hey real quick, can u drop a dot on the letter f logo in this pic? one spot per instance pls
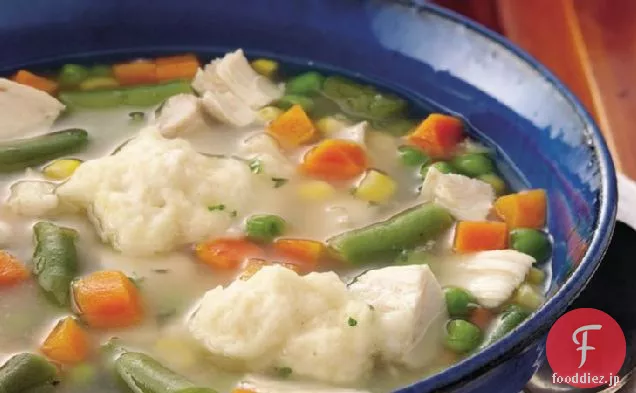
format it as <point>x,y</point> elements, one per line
<point>584,347</point>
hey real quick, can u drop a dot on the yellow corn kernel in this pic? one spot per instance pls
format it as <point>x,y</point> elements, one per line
<point>330,125</point>
<point>61,169</point>
<point>527,296</point>
<point>99,82</point>
<point>376,187</point>
<point>535,276</point>
<point>268,113</point>
<point>265,67</point>
<point>316,190</point>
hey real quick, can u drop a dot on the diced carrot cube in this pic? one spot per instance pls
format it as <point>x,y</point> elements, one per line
<point>12,271</point>
<point>177,67</point>
<point>25,77</point>
<point>136,73</point>
<point>481,317</point>
<point>293,128</point>
<point>526,209</point>
<point>307,252</point>
<point>227,253</point>
<point>67,342</point>
<point>108,299</point>
<point>471,236</point>
<point>438,135</point>
<point>335,159</point>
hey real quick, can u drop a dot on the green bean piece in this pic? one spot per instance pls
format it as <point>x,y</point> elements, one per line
<point>290,100</point>
<point>100,70</point>
<point>412,156</point>
<point>497,183</point>
<point>459,302</point>
<point>25,372</point>
<point>473,164</point>
<point>23,153</point>
<point>462,336</point>
<point>55,260</point>
<point>413,257</point>
<point>528,297</point>
<point>305,84</point>
<point>71,75</point>
<point>395,127</point>
<point>442,166</point>
<point>144,374</point>
<point>531,242</point>
<point>363,101</point>
<point>505,323</point>
<point>136,96</point>
<point>265,227</point>
<point>388,238</point>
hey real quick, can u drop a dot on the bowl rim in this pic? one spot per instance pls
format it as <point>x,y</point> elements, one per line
<point>536,326</point>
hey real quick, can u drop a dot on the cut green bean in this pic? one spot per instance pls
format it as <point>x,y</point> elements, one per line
<point>462,336</point>
<point>265,227</point>
<point>143,374</point>
<point>136,96</point>
<point>458,301</point>
<point>305,84</point>
<point>23,153</point>
<point>27,372</point>
<point>100,70</point>
<point>55,260</point>
<point>387,239</point>
<point>505,323</point>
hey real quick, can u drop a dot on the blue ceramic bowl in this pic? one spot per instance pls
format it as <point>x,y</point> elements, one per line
<point>432,56</point>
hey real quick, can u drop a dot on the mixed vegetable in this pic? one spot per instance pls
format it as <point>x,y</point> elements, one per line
<point>434,181</point>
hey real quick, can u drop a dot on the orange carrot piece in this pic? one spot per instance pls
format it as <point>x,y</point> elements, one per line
<point>177,67</point>
<point>293,128</point>
<point>471,236</point>
<point>307,252</point>
<point>108,299</point>
<point>136,73</point>
<point>438,135</point>
<point>11,270</point>
<point>67,343</point>
<point>335,159</point>
<point>227,253</point>
<point>241,390</point>
<point>526,209</point>
<point>481,317</point>
<point>25,77</point>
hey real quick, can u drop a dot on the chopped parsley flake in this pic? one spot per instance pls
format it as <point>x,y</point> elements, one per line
<point>161,271</point>
<point>256,166</point>
<point>136,116</point>
<point>284,372</point>
<point>216,208</point>
<point>279,181</point>
<point>233,213</point>
<point>352,322</point>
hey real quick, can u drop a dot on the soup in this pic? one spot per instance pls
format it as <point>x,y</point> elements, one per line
<point>237,227</point>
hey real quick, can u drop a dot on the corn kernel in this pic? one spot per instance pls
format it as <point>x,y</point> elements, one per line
<point>376,187</point>
<point>527,296</point>
<point>268,113</point>
<point>535,276</point>
<point>99,82</point>
<point>61,169</point>
<point>330,125</point>
<point>316,190</point>
<point>265,67</point>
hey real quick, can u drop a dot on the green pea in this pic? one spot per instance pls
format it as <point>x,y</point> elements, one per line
<point>307,83</point>
<point>535,276</point>
<point>82,374</point>
<point>100,70</point>
<point>413,257</point>
<point>473,164</point>
<point>72,75</point>
<point>462,336</point>
<point>441,166</point>
<point>412,156</point>
<point>458,301</point>
<point>290,100</point>
<point>528,297</point>
<point>265,227</point>
<point>532,242</point>
<point>497,183</point>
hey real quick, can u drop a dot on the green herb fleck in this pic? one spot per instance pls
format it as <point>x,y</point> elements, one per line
<point>279,181</point>
<point>161,271</point>
<point>164,316</point>
<point>233,213</point>
<point>284,372</point>
<point>352,322</point>
<point>256,166</point>
<point>216,208</point>
<point>136,116</point>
